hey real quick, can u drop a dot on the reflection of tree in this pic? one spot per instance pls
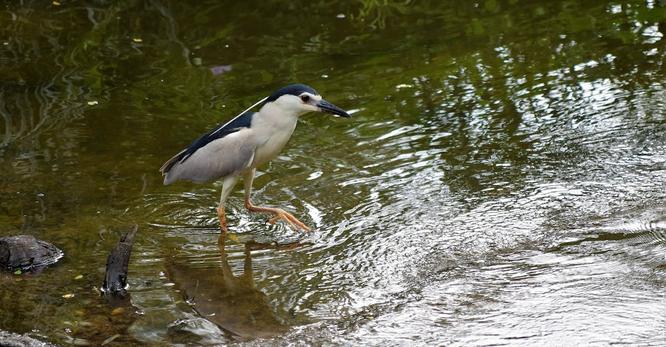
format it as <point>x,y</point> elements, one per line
<point>517,70</point>
<point>232,302</point>
<point>478,69</point>
<point>55,61</point>
<point>61,68</point>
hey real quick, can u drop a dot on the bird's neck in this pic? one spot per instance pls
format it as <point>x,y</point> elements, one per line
<point>278,116</point>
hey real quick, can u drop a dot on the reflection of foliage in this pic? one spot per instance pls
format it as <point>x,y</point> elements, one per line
<point>57,59</point>
<point>492,78</point>
<point>376,12</point>
<point>460,58</point>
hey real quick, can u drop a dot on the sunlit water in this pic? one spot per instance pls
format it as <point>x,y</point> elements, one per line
<point>502,180</point>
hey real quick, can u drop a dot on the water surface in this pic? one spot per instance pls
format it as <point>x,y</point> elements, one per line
<point>502,180</point>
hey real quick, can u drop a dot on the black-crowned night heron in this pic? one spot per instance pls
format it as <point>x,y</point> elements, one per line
<point>236,148</point>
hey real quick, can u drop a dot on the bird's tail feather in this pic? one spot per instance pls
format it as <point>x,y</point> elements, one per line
<point>171,162</point>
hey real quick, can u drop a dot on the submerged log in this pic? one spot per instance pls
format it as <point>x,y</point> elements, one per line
<point>25,252</point>
<point>115,280</point>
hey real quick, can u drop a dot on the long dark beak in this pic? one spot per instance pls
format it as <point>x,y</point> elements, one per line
<point>327,107</point>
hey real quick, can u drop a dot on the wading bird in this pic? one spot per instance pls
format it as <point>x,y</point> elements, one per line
<point>236,148</point>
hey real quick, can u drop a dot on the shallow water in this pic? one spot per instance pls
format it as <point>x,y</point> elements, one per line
<point>502,180</point>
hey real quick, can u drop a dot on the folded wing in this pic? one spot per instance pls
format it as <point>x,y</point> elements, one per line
<point>227,149</point>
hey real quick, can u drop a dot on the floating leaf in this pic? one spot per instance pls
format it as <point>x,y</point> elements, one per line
<point>68,296</point>
<point>18,272</point>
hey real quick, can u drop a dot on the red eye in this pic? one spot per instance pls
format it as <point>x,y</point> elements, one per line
<point>305,98</point>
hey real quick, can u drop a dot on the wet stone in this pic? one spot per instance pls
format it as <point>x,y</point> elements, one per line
<point>25,252</point>
<point>194,330</point>
<point>15,340</point>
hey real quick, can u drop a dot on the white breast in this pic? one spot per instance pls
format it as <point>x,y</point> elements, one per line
<point>274,129</point>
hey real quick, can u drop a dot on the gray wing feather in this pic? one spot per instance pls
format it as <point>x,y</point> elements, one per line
<point>219,158</point>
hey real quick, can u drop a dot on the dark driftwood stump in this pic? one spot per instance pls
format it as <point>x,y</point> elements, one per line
<point>25,252</point>
<point>115,280</point>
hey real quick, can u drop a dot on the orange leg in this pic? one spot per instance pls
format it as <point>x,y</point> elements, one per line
<point>227,186</point>
<point>223,219</point>
<point>277,212</point>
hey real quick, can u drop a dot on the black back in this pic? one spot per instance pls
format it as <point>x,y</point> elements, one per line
<point>242,121</point>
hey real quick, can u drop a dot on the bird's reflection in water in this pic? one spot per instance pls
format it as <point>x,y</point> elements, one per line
<point>231,302</point>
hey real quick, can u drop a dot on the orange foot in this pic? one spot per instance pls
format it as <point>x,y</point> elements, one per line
<point>289,218</point>
<point>278,214</point>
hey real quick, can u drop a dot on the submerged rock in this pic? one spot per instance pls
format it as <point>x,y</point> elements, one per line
<point>15,340</point>
<point>25,252</point>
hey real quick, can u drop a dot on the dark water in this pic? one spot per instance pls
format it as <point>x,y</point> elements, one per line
<point>502,181</point>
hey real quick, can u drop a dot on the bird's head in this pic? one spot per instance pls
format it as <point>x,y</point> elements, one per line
<point>298,99</point>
